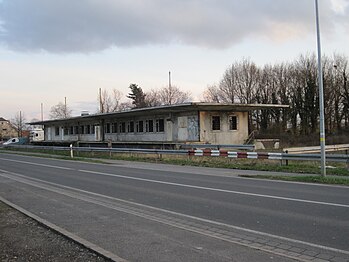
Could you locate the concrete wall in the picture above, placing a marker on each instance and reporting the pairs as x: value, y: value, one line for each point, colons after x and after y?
x: 224, y: 135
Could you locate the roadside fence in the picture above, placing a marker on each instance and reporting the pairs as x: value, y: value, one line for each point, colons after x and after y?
x: 194, y: 152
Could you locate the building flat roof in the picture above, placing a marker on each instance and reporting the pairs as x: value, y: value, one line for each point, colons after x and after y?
x: 168, y: 109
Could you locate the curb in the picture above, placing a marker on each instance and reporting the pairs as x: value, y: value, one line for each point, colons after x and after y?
x: 80, y: 241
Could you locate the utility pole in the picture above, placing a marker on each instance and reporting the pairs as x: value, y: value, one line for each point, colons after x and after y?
x: 321, y: 94
x: 169, y: 88
x: 42, y: 112
x: 20, y: 124
x: 101, y: 109
x: 65, y: 107
x: 169, y: 79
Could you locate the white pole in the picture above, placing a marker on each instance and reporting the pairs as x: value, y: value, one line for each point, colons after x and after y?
x: 321, y: 94
x: 71, y: 151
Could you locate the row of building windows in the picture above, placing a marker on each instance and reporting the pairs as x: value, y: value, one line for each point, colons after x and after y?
x: 216, y: 123
x: 136, y: 126
x: 140, y: 126
x: 75, y: 130
x: 121, y: 127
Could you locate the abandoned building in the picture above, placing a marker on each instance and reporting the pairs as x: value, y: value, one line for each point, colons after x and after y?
x: 7, y: 130
x: 206, y: 123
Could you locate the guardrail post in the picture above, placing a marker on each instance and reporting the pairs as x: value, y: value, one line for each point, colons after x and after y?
x: 71, y: 151
x: 286, y: 160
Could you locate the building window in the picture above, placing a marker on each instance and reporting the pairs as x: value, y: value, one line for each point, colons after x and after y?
x: 139, y: 126
x: 93, y: 129
x: 76, y: 131
x: 216, y: 123
x: 233, y: 123
x: 115, y: 128
x: 160, y: 127
x: 72, y: 130
x: 82, y: 131
x: 107, y: 128
x: 122, y: 127
x: 57, y: 131
x: 66, y: 131
x: 88, y: 129
x: 149, y: 126
x: 130, y: 127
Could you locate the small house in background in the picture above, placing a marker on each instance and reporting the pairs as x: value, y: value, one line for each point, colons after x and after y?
x: 7, y: 130
x: 205, y: 123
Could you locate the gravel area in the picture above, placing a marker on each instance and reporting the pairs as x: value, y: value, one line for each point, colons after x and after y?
x: 24, y: 239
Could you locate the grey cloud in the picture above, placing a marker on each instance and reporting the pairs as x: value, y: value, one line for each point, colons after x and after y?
x: 93, y: 25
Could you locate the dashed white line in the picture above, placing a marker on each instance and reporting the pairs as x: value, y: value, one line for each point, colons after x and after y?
x: 217, y: 189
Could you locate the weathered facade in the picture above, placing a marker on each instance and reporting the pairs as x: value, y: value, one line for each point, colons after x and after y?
x: 7, y: 130
x: 184, y: 123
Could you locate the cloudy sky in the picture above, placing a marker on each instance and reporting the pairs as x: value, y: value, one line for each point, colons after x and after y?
x: 53, y: 49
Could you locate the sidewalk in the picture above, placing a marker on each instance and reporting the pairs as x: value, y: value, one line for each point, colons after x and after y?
x: 24, y: 239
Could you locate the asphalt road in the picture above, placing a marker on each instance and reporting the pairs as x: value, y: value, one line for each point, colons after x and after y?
x: 141, y: 213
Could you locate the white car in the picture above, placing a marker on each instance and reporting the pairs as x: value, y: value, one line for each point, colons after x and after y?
x: 11, y: 141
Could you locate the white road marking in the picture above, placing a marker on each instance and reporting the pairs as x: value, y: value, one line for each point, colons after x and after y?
x: 195, y: 172
x: 36, y: 164
x: 12, y: 175
x: 190, y: 186
x: 217, y: 189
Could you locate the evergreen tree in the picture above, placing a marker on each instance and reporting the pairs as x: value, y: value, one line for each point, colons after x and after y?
x: 137, y: 95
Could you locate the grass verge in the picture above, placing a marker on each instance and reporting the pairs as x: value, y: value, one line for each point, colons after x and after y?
x: 306, y: 179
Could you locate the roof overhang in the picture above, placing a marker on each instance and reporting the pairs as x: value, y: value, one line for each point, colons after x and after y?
x: 149, y: 111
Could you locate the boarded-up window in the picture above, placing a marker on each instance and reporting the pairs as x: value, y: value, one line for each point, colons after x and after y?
x: 216, y: 123
x: 233, y: 123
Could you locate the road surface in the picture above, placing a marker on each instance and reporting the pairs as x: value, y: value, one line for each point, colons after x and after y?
x: 143, y: 213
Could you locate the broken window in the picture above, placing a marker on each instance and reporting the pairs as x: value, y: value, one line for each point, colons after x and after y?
x: 233, y: 123
x: 216, y: 123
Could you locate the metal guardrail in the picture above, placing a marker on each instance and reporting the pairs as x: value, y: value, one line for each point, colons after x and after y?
x: 316, y: 149
x: 102, y: 149
x: 316, y: 157
x: 212, y: 146
x: 207, y: 152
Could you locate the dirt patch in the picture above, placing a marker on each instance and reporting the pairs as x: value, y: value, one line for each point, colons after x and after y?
x: 24, y: 239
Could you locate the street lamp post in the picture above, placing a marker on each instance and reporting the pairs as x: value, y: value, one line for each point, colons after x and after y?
x: 321, y: 94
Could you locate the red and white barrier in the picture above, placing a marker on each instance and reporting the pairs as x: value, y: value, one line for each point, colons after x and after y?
x: 231, y: 154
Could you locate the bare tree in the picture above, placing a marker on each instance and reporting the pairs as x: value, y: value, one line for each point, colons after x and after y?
x: 227, y: 91
x: 153, y: 98
x: 212, y: 94
x: 293, y: 83
x: 60, y: 111
x: 169, y: 95
x: 109, y: 102
x: 173, y: 95
x: 19, y: 123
